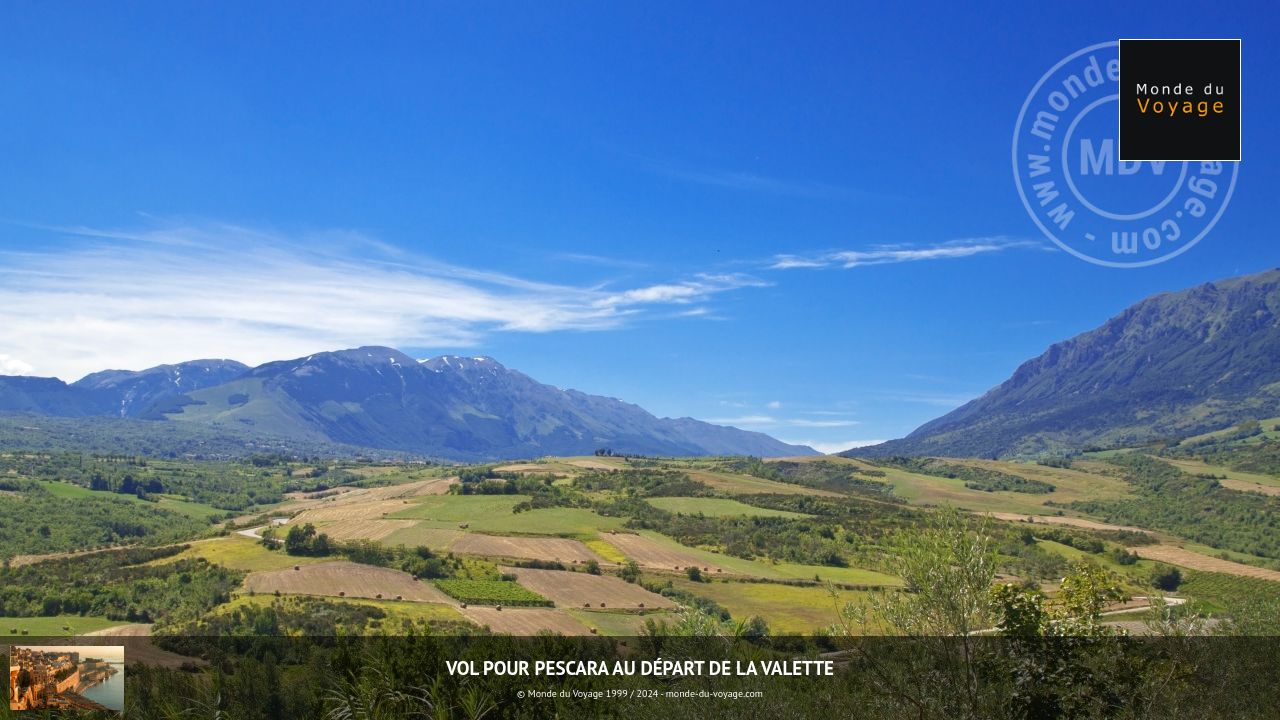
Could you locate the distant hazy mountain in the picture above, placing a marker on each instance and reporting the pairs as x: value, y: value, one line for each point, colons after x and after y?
x: 145, y: 393
x: 50, y: 396
x: 1174, y: 364
x: 123, y: 393
x: 375, y: 397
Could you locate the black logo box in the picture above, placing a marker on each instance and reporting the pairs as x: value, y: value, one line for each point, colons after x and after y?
x: 1186, y: 68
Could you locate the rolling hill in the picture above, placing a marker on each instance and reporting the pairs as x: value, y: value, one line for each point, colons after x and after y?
x: 456, y: 408
x: 1172, y: 365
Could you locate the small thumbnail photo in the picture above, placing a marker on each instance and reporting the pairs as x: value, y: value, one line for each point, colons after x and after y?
x: 66, y: 677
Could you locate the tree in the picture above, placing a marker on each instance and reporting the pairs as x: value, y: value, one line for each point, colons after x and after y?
x: 630, y: 571
x: 948, y: 567
x: 299, y: 539
x: 1166, y: 577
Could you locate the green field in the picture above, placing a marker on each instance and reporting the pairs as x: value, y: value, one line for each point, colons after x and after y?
x: 1239, y: 557
x: 238, y: 552
x: 716, y: 507
x: 492, y: 592
x: 789, y: 610
x: 52, y: 626
x: 164, y: 502
x: 1220, y: 592
x: 750, y: 485
x: 425, y: 534
x: 396, y: 610
x: 1268, y: 432
x: 782, y: 570
x: 493, y: 514
x: 1136, y: 574
x: 1069, y: 485
x: 618, y: 624
x: 1243, y: 479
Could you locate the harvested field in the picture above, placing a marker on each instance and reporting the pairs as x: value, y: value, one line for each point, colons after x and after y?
x: 334, y: 511
x: 1233, y: 479
x: 419, y: 534
x: 577, y: 590
x: 379, y: 529
x: 652, y: 554
x: 320, y: 494
x: 365, y: 503
x: 434, y: 486
x: 344, y: 579
x: 525, y: 621
x: 597, y: 464
x: 521, y: 467
x: 560, y: 549
x: 1194, y: 560
x: 1245, y: 486
x: 1060, y: 520
x: 751, y: 485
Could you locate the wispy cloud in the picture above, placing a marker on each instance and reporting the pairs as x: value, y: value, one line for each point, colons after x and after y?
x: 892, y: 254
x: 697, y: 289
x: 131, y: 299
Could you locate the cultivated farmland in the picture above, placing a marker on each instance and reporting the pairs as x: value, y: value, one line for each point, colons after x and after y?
x: 492, y: 592
x: 525, y: 621
x: 344, y: 579
x: 238, y: 552
x: 716, y: 507
x: 658, y: 556
x: 558, y: 549
x: 378, y: 529
x: 1188, y: 559
x: 788, y: 609
x: 495, y: 514
x: 579, y: 590
x: 1062, y: 520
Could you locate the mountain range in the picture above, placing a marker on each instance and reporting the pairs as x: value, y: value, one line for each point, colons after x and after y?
x: 456, y: 408
x: 1172, y: 365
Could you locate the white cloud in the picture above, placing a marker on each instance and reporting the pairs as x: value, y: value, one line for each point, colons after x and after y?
x: 13, y: 366
x: 136, y: 299
x: 698, y: 312
x: 683, y: 293
x: 827, y: 448
x: 774, y: 405
x: 892, y: 254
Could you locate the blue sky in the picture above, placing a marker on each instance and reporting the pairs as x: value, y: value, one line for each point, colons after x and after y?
x: 609, y: 197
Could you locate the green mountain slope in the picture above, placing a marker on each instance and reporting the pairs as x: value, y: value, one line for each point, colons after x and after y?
x: 1174, y: 364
